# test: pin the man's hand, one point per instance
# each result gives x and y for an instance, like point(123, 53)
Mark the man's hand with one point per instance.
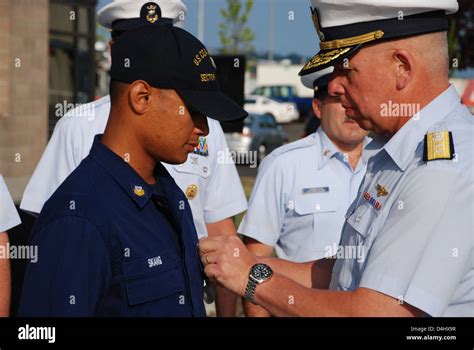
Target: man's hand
point(226, 301)
point(227, 261)
point(261, 250)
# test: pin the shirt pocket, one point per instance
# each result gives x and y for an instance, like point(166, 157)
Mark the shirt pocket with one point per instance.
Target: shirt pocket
point(357, 241)
point(326, 219)
point(361, 220)
point(153, 278)
point(196, 165)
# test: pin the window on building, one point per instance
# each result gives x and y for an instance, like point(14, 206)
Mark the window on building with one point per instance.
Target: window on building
point(71, 55)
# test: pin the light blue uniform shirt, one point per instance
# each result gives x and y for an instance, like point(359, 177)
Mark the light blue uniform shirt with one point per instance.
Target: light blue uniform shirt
point(417, 247)
point(301, 194)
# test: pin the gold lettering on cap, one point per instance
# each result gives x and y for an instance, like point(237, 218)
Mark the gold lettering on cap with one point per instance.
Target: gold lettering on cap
point(200, 56)
point(208, 77)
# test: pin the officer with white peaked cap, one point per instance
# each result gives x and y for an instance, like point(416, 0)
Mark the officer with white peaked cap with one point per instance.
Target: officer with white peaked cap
point(406, 247)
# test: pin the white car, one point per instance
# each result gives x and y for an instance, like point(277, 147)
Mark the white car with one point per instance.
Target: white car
point(283, 112)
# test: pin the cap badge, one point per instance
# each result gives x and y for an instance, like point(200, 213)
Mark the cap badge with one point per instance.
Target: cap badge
point(151, 17)
point(317, 24)
point(151, 12)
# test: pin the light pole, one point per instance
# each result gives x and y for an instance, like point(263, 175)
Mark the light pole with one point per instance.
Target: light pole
point(201, 21)
point(271, 34)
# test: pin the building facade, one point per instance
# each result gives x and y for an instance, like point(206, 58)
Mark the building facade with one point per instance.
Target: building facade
point(47, 58)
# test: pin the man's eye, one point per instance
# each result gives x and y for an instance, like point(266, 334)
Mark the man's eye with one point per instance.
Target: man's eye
point(343, 70)
point(346, 71)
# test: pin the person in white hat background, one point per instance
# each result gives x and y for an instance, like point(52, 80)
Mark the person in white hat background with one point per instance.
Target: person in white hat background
point(9, 218)
point(212, 187)
point(406, 246)
point(304, 188)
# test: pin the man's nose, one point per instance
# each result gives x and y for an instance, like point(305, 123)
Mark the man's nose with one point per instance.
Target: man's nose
point(200, 123)
point(335, 88)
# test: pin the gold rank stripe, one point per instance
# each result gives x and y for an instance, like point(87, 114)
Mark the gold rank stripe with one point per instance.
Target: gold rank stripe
point(438, 146)
point(352, 41)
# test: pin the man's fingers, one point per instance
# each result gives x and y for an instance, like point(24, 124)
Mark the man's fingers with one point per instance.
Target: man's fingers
point(211, 271)
point(207, 245)
point(208, 258)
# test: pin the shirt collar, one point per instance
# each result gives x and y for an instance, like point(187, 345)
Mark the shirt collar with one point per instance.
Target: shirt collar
point(328, 149)
point(402, 146)
point(132, 183)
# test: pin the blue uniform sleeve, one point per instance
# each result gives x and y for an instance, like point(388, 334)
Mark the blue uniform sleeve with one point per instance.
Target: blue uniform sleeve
point(71, 273)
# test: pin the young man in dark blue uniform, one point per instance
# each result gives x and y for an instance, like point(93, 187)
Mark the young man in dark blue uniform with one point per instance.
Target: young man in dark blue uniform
point(117, 237)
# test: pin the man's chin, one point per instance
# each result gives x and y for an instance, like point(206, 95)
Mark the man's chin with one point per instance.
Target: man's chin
point(177, 159)
point(183, 158)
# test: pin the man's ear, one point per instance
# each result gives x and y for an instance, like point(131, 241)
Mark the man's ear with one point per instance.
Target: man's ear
point(140, 95)
point(317, 108)
point(404, 61)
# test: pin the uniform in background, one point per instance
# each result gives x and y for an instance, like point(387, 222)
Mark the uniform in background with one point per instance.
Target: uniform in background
point(9, 217)
point(301, 195)
point(303, 191)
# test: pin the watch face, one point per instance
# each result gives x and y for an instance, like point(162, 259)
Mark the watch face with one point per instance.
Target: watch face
point(261, 272)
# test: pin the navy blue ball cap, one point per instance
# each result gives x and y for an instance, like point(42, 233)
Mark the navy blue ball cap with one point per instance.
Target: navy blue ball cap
point(168, 57)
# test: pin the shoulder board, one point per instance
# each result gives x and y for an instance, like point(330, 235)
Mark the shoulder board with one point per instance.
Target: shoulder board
point(438, 145)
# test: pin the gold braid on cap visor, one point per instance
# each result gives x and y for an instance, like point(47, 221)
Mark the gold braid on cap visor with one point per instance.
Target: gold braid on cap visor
point(355, 40)
point(325, 57)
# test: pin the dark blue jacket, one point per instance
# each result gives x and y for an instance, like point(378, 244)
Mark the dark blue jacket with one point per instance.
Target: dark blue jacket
point(110, 244)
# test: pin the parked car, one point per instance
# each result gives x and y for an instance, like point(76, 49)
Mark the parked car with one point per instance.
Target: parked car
point(284, 112)
point(286, 93)
point(260, 134)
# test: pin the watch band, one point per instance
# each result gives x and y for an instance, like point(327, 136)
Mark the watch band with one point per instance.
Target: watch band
point(250, 290)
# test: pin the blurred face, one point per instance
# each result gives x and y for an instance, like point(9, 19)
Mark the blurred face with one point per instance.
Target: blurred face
point(342, 130)
point(363, 84)
point(170, 129)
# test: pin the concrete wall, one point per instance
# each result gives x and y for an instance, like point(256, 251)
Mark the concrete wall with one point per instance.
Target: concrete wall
point(23, 89)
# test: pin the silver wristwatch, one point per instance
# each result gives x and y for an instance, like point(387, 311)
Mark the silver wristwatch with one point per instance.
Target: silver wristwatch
point(259, 273)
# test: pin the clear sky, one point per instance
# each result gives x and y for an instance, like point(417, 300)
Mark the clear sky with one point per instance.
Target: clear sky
point(290, 35)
